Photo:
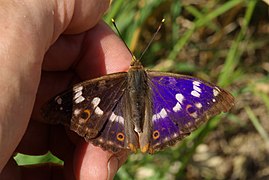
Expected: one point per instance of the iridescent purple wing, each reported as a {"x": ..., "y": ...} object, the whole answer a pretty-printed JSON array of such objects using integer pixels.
[{"x": 180, "y": 104}]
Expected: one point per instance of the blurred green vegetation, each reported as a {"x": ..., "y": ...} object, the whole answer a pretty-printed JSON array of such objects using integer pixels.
[{"x": 224, "y": 42}]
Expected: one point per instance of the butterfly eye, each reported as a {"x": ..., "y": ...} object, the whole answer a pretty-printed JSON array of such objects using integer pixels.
[
  {"x": 156, "y": 134},
  {"x": 85, "y": 114},
  {"x": 120, "y": 136}
]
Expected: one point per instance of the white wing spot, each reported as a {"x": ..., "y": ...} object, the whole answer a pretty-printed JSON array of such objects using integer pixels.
[
  {"x": 120, "y": 120},
  {"x": 215, "y": 91},
  {"x": 58, "y": 100},
  {"x": 95, "y": 102},
  {"x": 180, "y": 98},
  {"x": 79, "y": 99},
  {"x": 195, "y": 93},
  {"x": 194, "y": 115},
  {"x": 77, "y": 112},
  {"x": 155, "y": 117},
  {"x": 98, "y": 111},
  {"x": 214, "y": 100},
  {"x": 196, "y": 88},
  {"x": 61, "y": 108},
  {"x": 162, "y": 114},
  {"x": 189, "y": 124},
  {"x": 166, "y": 139},
  {"x": 196, "y": 83},
  {"x": 177, "y": 107},
  {"x": 114, "y": 117},
  {"x": 199, "y": 105},
  {"x": 78, "y": 94}
]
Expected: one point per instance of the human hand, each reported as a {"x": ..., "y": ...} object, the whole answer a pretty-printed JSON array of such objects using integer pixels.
[{"x": 87, "y": 49}]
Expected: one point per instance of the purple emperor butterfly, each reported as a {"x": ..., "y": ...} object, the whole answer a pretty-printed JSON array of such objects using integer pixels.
[{"x": 142, "y": 109}]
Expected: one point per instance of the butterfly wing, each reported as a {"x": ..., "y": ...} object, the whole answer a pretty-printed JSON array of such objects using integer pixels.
[
  {"x": 114, "y": 135},
  {"x": 180, "y": 104},
  {"x": 87, "y": 108}
]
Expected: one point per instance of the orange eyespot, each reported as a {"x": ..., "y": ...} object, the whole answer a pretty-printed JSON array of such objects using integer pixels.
[
  {"x": 190, "y": 109},
  {"x": 156, "y": 134},
  {"x": 120, "y": 136},
  {"x": 85, "y": 114}
]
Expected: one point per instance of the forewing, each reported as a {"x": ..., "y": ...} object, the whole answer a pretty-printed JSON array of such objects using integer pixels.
[
  {"x": 180, "y": 104},
  {"x": 87, "y": 106}
]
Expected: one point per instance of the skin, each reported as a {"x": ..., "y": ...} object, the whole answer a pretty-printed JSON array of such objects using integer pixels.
[{"x": 45, "y": 46}]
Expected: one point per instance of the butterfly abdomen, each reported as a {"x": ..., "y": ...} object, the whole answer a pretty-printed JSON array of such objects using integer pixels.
[{"x": 136, "y": 92}]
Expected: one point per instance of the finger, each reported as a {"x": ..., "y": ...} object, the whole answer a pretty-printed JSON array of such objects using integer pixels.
[
  {"x": 95, "y": 51},
  {"x": 86, "y": 14},
  {"x": 94, "y": 163}
]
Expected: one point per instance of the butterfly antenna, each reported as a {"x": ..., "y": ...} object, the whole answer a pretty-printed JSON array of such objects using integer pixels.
[
  {"x": 154, "y": 35},
  {"x": 114, "y": 24}
]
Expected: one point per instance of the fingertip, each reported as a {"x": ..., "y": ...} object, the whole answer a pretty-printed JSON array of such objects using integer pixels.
[
  {"x": 112, "y": 167},
  {"x": 92, "y": 162},
  {"x": 115, "y": 162}
]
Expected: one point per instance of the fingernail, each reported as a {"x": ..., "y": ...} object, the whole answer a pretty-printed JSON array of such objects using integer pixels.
[{"x": 113, "y": 166}]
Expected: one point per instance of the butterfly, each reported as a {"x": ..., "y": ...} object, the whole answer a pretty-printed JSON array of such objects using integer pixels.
[{"x": 138, "y": 109}]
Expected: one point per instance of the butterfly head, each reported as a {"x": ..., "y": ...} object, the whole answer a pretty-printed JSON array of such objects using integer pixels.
[{"x": 135, "y": 63}]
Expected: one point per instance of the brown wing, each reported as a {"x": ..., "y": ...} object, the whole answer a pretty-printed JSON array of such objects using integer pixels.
[{"x": 86, "y": 107}]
